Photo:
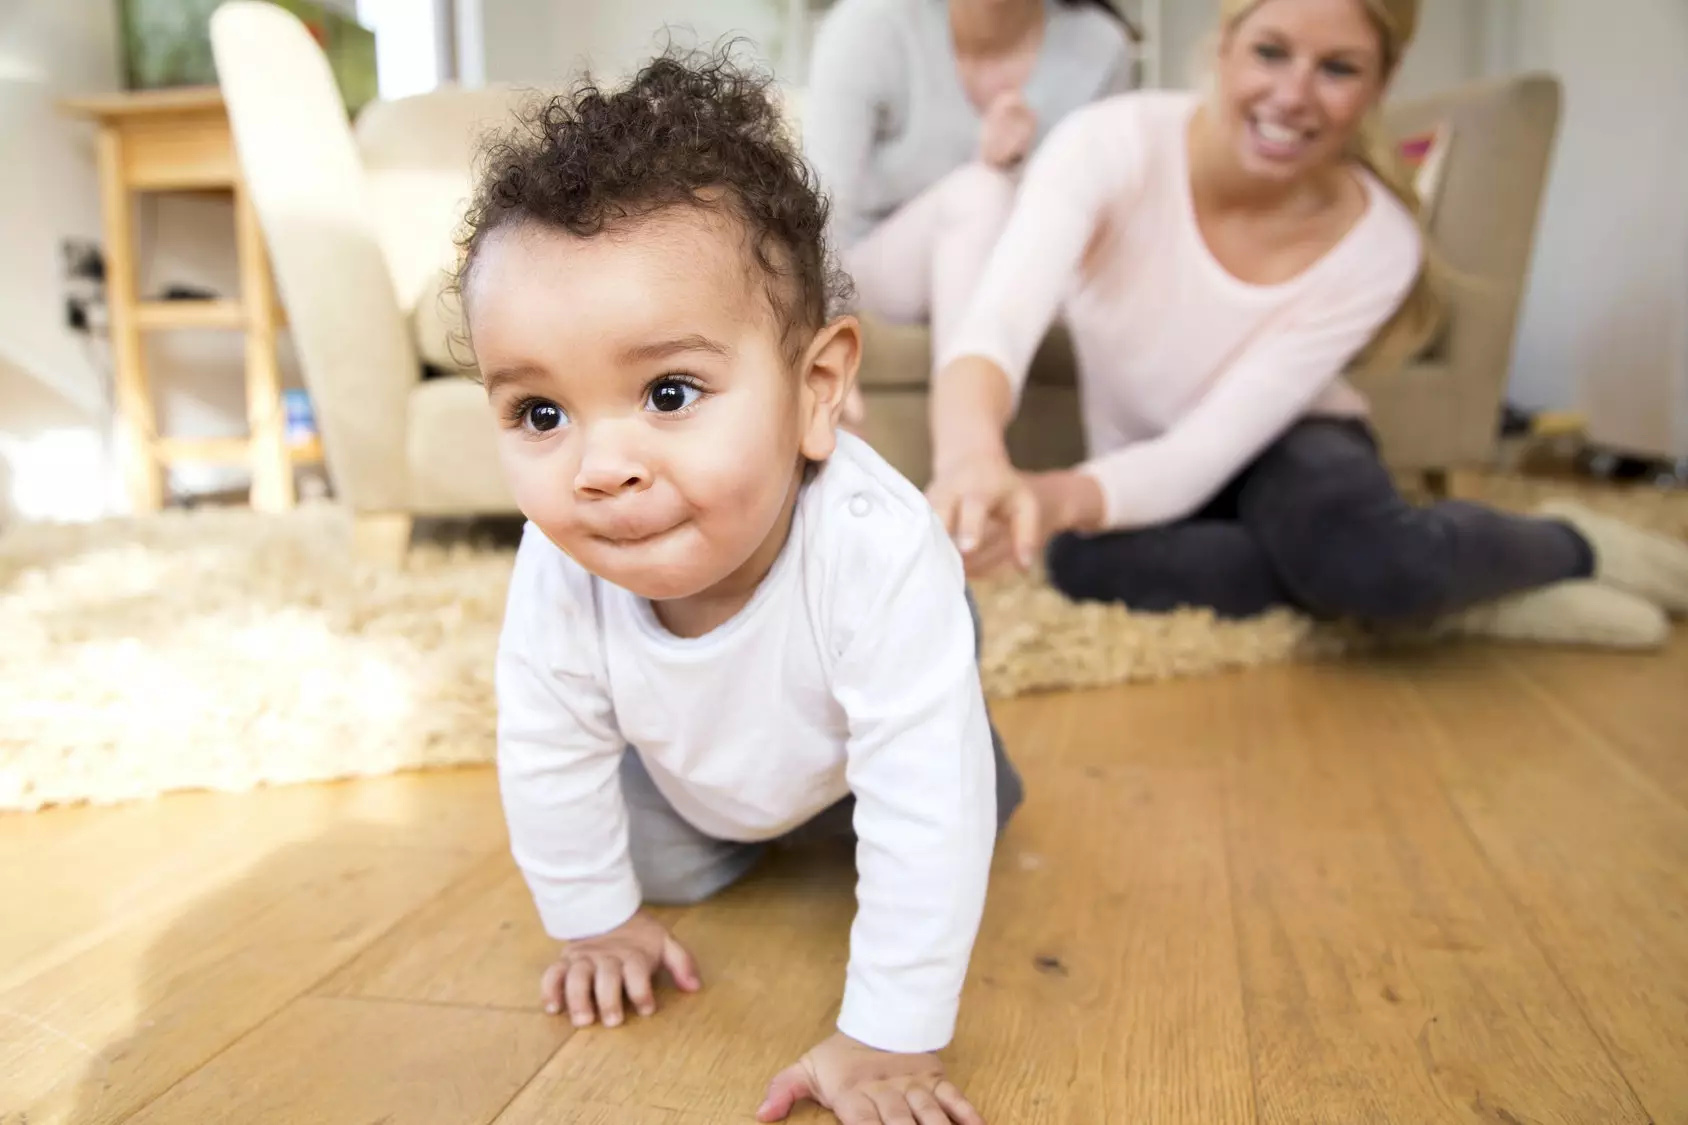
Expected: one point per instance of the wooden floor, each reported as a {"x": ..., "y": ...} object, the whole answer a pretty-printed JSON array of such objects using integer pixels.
[{"x": 1442, "y": 887}]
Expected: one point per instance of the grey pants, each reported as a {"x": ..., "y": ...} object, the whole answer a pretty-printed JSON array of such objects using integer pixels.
[
  {"x": 1315, "y": 522},
  {"x": 678, "y": 864}
]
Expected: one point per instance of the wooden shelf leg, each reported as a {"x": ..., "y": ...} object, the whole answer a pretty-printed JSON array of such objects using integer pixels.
[
  {"x": 272, "y": 468},
  {"x": 137, "y": 424}
]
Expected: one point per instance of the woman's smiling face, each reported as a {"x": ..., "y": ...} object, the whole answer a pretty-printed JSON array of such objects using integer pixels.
[{"x": 1295, "y": 79}]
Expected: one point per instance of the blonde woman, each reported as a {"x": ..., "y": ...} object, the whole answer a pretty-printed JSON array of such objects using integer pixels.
[{"x": 1220, "y": 259}]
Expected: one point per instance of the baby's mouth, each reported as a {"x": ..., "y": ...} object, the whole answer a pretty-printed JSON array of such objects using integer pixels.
[{"x": 630, "y": 536}]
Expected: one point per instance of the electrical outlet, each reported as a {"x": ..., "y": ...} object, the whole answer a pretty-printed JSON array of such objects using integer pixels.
[
  {"x": 82, "y": 272},
  {"x": 81, "y": 260}
]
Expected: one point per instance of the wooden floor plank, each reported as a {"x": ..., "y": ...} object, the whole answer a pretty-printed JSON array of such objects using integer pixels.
[
  {"x": 1638, "y": 704},
  {"x": 1387, "y": 976},
  {"x": 344, "y": 1062},
  {"x": 1108, "y": 940},
  {"x": 96, "y": 1036},
  {"x": 479, "y": 944},
  {"x": 85, "y": 873},
  {"x": 1596, "y": 856}
]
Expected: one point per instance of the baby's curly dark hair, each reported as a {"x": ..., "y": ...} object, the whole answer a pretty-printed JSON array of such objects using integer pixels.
[{"x": 690, "y": 129}]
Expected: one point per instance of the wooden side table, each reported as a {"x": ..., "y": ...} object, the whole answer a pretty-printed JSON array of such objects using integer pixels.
[{"x": 179, "y": 140}]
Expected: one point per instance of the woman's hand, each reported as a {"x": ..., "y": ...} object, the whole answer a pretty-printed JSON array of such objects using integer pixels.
[
  {"x": 974, "y": 487},
  {"x": 1067, "y": 500},
  {"x": 1006, "y": 130},
  {"x": 590, "y": 976},
  {"x": 986, "y": 505},
  {"x": 862, "y": 1086}
]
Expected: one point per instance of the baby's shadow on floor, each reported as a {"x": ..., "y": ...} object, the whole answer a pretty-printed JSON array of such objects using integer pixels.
[{"x": 234, "y": 957}]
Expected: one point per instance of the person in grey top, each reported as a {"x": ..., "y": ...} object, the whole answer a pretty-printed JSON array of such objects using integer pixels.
[{"x": 917, "y": 114}]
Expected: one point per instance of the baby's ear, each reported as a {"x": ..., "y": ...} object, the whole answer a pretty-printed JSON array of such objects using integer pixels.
[{"x": 828, "y": 372}]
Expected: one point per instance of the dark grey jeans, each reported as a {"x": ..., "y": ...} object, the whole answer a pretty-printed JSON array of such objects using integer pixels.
[
  {"x": 1316, "y": 523},
  {"x": 678, "y": 864}
]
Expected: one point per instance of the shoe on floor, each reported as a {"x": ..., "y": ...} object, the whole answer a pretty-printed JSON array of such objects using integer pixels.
[
  {"x": 1644, "y": 563},
  {"x": 1583, "y": 613}
]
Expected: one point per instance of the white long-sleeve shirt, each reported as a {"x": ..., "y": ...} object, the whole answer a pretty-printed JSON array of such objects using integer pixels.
[
  {"x": 851, "y": 670},
  {"x": 1186, "y": 372}
]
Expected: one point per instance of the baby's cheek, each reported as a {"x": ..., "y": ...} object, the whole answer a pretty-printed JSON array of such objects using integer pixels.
[
  {"x": 743, "y": 489},
  {"x": 541, "y": 499}
]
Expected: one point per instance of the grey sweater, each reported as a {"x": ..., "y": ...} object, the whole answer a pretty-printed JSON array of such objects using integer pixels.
[{"x": 886, "y": 115}]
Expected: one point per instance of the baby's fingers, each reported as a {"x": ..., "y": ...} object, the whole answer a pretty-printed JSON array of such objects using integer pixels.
[
  {"x": 637, "y": 976},
  {"x": 606, "y": 985},
  {"x": 680, "y": 966},
  {"x": 892, "y": 1107},
  {"x": 551, "y": 987},
  {"x": 926, "y": 1109},
  {"x": 857, "y": 1108},
  {"x": 577, "y": 991},
  {"x": 960, "y": 1110}
]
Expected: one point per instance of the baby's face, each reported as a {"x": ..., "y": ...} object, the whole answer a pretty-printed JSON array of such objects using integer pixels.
[{"x": 649, "y": 421}]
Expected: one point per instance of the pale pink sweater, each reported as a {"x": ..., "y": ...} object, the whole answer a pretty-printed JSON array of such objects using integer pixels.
[{"x": 1186, "y": 373}]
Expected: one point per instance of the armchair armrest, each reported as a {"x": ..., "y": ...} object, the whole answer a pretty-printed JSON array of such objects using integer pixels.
[
  {"x": 1484, "y": 227},
  {"x": 302, "y": 172}
]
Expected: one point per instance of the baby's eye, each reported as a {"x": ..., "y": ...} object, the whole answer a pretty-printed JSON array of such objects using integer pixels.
[
  {"x": 672, "y": 394},
  {"x": 541, "y": 417}
]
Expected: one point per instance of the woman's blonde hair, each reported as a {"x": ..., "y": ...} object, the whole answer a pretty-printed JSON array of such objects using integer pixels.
[{"x": 1420, "y": 314}]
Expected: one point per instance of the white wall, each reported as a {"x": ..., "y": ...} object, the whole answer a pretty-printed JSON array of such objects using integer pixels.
[
  {"x": 52, "y": 383},
  {"x": 523, "y": 42},
  {"x": 1448, "y": 51},
  {"x": 48, "y": 51},
  {"x": 50, "y": 390},
  {"x": 546, "y": 42},
  {"x": 1606, "y": 321},
  {"x": 412, "y": 43}
]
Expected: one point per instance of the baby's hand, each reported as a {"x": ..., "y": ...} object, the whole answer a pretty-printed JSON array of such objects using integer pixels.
[
  {"x": 591, "y": 975},
  {"x": 863, "y": 1086}
]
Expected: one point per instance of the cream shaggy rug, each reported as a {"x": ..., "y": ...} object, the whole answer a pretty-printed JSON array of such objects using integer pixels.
[{"x": 224, "y": 650}]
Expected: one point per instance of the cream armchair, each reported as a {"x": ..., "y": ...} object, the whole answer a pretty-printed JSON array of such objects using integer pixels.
[{"x": 360, "y": 223}]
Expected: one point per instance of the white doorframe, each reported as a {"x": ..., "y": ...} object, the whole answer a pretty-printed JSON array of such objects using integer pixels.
[{"x": 471, "y": 44}]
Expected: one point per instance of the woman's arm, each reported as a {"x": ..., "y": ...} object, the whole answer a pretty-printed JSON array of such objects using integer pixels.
[
  {"x": 1268, "y": 387},
  {"x": 1088, "y": 161},
  {"x": 1031, "y": 268}
]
